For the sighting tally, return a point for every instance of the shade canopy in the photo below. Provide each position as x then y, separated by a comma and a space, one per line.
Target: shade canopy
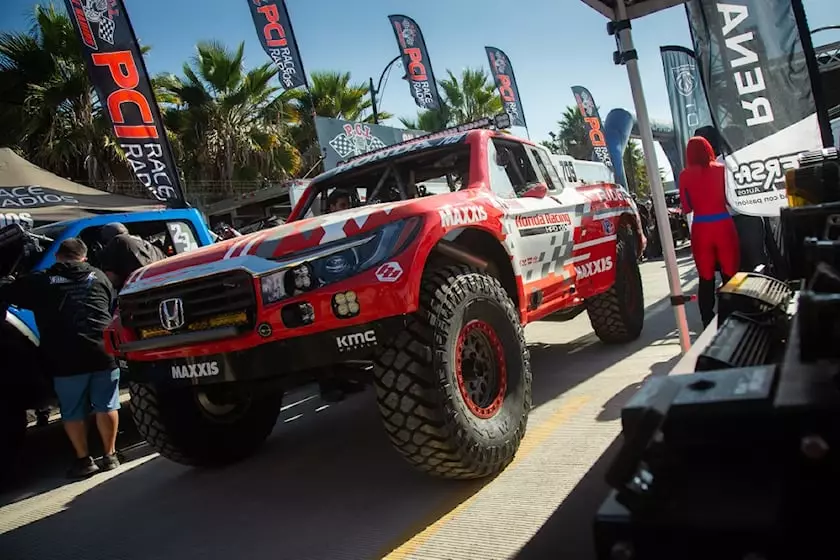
635, 9
34, 194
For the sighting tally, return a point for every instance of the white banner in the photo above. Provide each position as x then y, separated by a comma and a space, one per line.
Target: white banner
755, 182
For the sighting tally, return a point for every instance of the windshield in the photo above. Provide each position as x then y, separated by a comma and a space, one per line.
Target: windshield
672, 199
413, 175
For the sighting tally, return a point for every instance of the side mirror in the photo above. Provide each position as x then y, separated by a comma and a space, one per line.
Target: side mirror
537, 191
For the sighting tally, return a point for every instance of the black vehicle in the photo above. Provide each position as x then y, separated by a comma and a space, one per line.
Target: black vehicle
679, 224
680, 230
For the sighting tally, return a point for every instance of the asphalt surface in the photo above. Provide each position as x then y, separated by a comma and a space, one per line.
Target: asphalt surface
328, 486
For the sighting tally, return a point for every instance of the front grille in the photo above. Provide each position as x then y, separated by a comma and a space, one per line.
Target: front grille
210, 302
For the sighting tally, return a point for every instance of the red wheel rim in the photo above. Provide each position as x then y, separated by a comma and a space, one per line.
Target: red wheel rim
480, 368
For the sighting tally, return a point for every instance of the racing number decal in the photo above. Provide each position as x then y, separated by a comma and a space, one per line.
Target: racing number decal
182, 237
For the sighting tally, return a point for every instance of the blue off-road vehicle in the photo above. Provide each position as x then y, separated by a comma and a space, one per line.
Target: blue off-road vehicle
23, 383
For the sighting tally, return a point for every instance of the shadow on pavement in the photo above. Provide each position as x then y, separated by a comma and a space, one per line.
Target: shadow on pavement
47, 454
327, 484
568, 532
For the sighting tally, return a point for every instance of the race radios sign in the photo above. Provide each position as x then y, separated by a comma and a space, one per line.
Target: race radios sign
592, 119
415, 59
122, 84
506, 84
274, 30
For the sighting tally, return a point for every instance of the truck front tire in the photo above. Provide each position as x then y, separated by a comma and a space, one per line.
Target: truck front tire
179, 427
618, 315
454, 387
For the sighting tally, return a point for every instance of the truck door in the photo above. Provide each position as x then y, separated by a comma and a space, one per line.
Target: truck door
541, 229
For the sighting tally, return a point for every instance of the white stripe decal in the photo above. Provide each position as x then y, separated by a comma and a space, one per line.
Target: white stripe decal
586, 244
253, 242
233, 248
578, 258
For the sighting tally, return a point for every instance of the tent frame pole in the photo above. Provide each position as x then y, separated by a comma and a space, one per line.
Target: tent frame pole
625, 40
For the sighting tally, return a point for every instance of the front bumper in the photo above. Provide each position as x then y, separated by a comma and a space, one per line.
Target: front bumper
276, 360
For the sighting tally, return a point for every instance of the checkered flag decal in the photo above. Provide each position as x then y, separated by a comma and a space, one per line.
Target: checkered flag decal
561, 246
106, 30
344, 145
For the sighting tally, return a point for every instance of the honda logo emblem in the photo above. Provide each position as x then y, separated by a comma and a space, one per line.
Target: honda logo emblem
171, 313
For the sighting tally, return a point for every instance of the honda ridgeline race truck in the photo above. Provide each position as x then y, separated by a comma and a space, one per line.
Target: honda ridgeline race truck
23, 385
433, 291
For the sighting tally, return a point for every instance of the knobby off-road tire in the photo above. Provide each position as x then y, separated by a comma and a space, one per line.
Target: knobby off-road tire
173, 423
618, 315
436, 410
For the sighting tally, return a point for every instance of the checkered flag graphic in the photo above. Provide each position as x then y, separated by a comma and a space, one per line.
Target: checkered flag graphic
106, 30
345, 146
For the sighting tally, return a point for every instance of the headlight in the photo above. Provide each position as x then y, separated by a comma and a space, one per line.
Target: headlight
338, 261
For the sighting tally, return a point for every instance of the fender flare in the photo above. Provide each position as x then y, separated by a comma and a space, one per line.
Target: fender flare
17, 324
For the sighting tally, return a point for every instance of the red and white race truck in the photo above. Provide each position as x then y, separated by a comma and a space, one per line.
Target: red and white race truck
430, 291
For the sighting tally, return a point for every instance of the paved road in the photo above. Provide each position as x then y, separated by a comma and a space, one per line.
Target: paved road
327, 486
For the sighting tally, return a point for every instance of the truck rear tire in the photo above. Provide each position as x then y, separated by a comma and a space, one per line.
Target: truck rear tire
454, 387
618, 315
179, 426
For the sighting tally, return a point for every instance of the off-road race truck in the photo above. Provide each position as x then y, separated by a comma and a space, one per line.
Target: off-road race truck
22, 383
433, 291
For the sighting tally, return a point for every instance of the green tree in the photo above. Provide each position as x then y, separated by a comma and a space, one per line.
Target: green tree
465, 98
48, 110
430, 121
331, 94
227, 123
635, 170
572, 137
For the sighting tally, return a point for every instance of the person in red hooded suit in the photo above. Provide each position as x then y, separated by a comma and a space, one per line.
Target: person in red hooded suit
714, 239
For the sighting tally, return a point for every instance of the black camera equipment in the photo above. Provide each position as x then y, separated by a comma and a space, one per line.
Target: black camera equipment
741, 459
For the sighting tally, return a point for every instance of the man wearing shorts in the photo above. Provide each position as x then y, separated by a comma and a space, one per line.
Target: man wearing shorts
72, 303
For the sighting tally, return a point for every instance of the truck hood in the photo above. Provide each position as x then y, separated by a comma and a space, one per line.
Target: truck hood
254, 251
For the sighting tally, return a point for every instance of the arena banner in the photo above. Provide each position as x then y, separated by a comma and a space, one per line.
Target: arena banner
416, 61
589, 111
759, 88
119, 77
506, 84
341, 140
274, 30
689, 107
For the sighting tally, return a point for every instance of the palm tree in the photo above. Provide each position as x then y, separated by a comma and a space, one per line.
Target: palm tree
227, 123
572, 138
467, 98
471, 97
430, 121
48, 110
635, 170
330, 94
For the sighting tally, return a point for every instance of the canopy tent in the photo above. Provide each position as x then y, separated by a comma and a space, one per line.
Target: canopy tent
623, 11
29, 194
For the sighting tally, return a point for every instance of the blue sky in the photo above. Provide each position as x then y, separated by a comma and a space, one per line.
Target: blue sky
552, 44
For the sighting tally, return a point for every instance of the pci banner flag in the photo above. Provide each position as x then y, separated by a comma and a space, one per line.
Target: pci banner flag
506, 84
756, 76
592, 119
689, 107
415, 59
119, 77
274, 30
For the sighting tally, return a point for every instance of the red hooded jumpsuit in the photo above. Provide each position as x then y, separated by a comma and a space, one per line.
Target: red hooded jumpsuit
714, 239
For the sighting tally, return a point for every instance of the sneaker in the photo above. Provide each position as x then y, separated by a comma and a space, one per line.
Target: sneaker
110, 462
83, 468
